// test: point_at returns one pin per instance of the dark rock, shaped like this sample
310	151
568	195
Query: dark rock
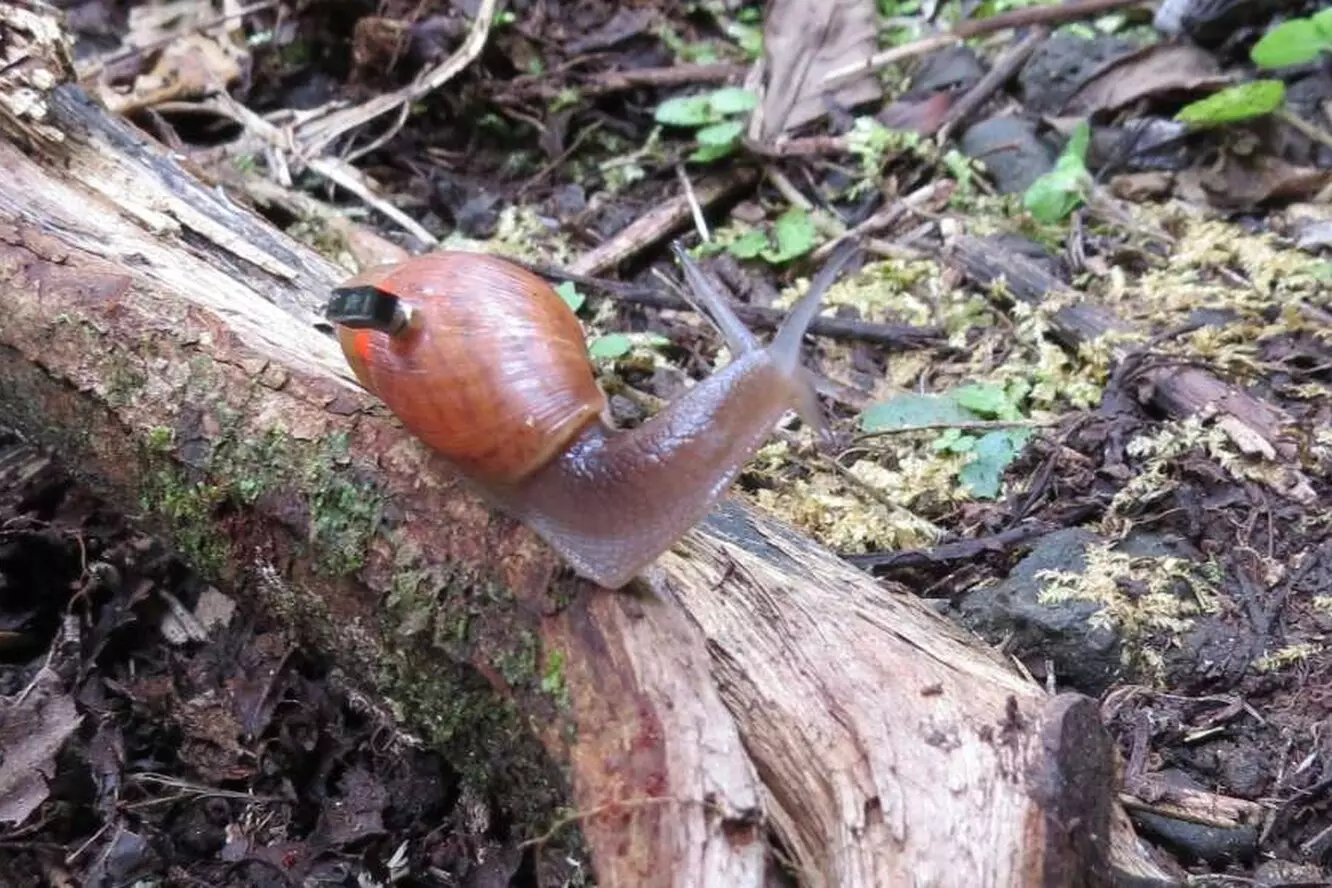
479	216
1142	145
1011	150
1084	657
1060	66
568	201
1244	770
311	90
613	219
1212	23
955	69
1307	98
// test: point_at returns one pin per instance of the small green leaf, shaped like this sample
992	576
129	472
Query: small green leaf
954	441
1237	103
1075	151
748	37
733	100
1059	192
709	153
909	410
720	134
750	244
570	295
984	475
692	111
610	346
795	234
987	399
1323	22
1293	42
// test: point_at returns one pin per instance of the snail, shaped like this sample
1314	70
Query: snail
484	362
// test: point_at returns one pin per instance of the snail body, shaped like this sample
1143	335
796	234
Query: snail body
486	364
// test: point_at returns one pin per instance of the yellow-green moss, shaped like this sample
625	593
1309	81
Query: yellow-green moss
1148	621
344	512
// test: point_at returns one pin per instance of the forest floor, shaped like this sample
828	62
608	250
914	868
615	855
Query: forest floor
1048	484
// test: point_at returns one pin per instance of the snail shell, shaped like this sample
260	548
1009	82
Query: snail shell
492	370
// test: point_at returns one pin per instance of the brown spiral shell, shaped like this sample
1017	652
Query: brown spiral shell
492	372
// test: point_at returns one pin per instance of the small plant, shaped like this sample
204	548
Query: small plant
990	452
874	145
1293	42
1235	104
571	296
1059	192
617	345
716	117
612	345
791	236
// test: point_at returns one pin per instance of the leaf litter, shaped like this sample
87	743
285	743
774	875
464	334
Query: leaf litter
1171	185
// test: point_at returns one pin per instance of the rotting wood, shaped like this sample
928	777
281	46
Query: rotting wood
162	340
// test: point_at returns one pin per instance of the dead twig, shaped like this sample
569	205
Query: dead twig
832	227
896	336
700	223
1071	11
967	550
888	217
1004	68
979	425
607	82
803	146
315	134
659	222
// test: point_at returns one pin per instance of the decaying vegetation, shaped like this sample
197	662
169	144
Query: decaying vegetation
1068	554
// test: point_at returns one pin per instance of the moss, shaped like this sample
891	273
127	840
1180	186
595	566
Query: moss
123	380
202	462
1291	655
518	661
344	513
553	680
1149	601
160	439
257	468
480	732
189	507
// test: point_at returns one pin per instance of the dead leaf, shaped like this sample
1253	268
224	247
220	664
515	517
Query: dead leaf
210	743
920	115
1309	225
623	25
1142	187
192	67
1155	70
33	728
355	814
803	42
1235	184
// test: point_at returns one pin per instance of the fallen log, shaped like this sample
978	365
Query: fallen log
752	697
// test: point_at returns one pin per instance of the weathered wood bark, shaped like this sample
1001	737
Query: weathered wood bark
162	340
